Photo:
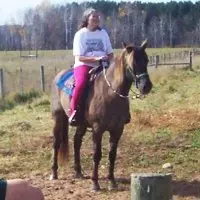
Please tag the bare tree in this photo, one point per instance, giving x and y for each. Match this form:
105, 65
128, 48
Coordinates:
163, 30
196, 34
72, 17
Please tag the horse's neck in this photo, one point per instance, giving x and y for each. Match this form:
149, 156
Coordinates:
116, 75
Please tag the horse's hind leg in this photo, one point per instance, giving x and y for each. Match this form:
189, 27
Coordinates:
114, 140
80, 131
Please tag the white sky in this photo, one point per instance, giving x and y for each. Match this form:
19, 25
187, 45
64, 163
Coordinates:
11, 11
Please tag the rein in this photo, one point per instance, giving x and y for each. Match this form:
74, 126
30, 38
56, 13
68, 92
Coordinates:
110, 86
133, 76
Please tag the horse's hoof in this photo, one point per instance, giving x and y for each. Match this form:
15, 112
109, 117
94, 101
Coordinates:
52, 177
112, 186
79, 176
96, 187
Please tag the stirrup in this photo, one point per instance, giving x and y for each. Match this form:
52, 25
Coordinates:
72, 117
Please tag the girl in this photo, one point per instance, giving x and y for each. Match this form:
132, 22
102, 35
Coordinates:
91, 44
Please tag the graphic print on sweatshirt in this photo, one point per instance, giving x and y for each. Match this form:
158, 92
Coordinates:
94, 45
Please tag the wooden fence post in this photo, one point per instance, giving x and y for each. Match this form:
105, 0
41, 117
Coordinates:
150, 60
164, 57
170, 56
152, 186
42, 78
157, 61
190, 64
21, 80
55, 70
1, 83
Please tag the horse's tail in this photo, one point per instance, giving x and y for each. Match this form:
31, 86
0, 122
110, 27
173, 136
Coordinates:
60, 129
60, 133
63, 151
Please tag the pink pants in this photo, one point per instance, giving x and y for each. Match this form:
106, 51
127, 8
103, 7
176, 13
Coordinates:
81, 79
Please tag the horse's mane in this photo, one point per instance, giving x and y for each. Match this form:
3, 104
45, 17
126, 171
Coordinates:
121, 63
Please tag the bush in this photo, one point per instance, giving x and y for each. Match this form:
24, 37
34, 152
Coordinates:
25, 97
18, 98
6, 105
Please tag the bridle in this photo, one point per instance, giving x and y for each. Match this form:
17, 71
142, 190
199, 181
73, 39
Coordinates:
135, 78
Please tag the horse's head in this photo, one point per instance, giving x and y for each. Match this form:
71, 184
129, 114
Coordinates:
135, 60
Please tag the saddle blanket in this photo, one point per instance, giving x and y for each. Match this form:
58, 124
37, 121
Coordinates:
66, 82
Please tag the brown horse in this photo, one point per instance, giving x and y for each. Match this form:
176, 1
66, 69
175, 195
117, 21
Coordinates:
106, 109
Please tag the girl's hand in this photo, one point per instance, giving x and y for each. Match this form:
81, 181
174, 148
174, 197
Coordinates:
102, 58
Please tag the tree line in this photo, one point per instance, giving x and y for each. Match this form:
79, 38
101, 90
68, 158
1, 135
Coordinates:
51, 27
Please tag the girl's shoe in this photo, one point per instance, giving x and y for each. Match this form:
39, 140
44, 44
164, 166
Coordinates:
72, 117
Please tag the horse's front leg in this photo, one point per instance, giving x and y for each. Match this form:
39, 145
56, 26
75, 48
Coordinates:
80, 132
114, 140
97, 138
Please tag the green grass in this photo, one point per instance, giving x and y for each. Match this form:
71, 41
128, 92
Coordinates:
51, 59
159, 51
196, 139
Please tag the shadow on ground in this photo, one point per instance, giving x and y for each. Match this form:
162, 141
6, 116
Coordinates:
185, 188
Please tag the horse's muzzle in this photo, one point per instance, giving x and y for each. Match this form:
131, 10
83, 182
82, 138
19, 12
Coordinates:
144, 85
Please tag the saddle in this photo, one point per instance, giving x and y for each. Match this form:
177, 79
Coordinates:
98, 69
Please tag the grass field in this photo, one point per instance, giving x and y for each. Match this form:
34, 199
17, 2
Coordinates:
165, 127
53, 61
61, 59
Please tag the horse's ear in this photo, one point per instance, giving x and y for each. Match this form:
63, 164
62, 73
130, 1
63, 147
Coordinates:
129, 49
143, 46
124, 45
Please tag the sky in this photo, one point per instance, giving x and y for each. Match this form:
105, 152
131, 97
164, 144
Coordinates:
13, 12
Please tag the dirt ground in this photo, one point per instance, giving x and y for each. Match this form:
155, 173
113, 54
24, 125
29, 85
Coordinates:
69, 188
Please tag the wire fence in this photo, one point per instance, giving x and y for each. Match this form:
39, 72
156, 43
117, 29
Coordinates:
40, 78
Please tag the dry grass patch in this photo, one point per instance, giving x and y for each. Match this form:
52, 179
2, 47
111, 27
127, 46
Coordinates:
175, 120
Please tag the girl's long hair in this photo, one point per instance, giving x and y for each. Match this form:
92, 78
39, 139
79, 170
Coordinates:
86, 14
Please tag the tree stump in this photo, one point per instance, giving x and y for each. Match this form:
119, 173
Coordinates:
151, 186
